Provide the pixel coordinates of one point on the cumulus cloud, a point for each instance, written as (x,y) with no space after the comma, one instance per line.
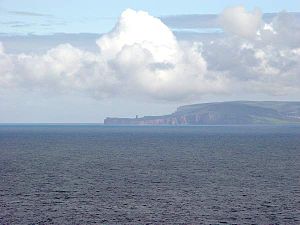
(265,58)
(240,22)
(139,56)
(142,57)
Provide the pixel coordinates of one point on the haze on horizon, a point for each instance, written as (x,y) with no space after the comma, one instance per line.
(63,68)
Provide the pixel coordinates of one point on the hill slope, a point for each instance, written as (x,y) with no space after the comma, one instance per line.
(221,113)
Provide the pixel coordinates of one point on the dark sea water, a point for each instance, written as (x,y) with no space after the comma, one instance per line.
(156,175)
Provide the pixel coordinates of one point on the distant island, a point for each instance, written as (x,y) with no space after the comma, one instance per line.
(222,113)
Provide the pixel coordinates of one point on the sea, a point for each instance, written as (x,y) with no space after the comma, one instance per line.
(96,174)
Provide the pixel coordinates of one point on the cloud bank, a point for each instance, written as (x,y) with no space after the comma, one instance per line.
(142,57)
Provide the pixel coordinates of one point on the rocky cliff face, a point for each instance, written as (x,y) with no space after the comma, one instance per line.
(222,113)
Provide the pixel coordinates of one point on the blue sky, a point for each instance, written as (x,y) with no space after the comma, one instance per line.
(94,16)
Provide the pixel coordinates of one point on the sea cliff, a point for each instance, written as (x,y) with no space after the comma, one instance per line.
(222,113)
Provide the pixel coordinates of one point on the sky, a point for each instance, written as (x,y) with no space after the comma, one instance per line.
(94,16)
(63,62)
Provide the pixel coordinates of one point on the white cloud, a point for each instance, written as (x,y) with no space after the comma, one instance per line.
(139,28)
(240,22)
(259,57)
(141,57)
(147,58)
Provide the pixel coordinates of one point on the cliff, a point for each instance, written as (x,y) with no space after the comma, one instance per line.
(222,113)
